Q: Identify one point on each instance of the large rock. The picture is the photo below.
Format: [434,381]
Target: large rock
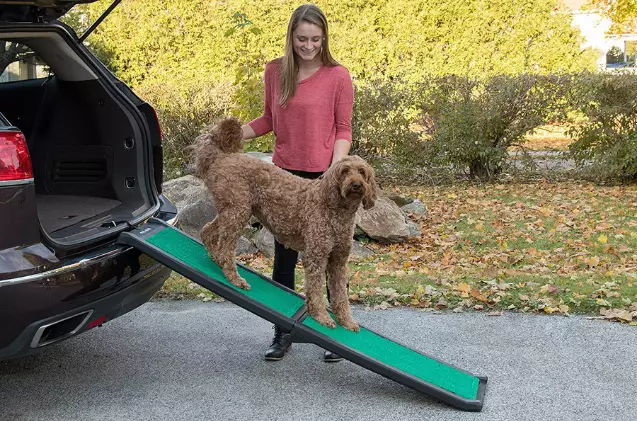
[385,222]
[398,199]
[245,246]
[414,229]
[192,200]
[359,251]
[264,240]
[416,208]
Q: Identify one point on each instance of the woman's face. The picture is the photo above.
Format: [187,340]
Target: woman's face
[307,40]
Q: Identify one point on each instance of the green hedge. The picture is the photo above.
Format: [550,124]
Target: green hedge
[606,138]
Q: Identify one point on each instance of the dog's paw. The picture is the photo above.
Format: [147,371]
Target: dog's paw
[241,283]
[326,321]
[351,325]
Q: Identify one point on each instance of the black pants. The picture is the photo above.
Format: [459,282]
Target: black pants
[285,258]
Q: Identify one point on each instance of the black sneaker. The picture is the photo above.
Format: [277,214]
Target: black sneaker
[280,345]
[331,357]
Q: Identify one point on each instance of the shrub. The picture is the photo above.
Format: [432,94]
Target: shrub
[382,122]
[473,122]
[184,112]
[607,138]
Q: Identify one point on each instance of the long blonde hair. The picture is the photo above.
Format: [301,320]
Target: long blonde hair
[309,13]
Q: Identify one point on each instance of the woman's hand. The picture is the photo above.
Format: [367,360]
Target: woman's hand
[341,149]
[247,132]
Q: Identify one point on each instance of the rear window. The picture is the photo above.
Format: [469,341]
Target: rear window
[19,62]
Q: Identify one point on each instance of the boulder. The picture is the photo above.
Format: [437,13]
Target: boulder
[264,240]
[192,200]
[385,222]
[398,199]
[415,208]
[414,229]
[359,251]
[245,246]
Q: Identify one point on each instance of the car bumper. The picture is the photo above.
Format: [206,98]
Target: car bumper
[49,330]
[43,308]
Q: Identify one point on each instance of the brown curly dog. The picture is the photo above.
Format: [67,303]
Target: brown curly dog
[315,217]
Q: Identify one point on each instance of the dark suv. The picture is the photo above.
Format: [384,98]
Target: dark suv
[80,162]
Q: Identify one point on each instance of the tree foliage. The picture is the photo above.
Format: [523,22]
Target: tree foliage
[199,44]
[10,52]
[622,14]
[154,39]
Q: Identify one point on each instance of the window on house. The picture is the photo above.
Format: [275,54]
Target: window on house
[630,47]
[614,55]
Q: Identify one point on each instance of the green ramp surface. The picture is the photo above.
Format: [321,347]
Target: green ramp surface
[284,307]
[403,359]
[195,255]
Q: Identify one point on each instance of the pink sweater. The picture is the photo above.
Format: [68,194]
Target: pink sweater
[305,129]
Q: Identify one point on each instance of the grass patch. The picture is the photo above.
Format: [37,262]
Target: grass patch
[541,247]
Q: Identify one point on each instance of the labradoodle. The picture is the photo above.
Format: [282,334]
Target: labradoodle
[315,217]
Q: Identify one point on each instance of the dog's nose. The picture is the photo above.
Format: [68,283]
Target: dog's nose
[356,186]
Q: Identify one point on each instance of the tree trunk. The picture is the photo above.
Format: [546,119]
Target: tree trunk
[9,51]
[483,170]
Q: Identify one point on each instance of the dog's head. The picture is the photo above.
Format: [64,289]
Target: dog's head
[352,179]
[226,134]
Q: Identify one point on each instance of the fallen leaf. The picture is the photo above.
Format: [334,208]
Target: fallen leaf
[464,289]
[592,261]
[441,304]
[602,302]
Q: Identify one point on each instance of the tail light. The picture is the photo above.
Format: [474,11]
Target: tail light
[15,163]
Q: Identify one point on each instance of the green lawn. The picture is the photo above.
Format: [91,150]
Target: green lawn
[552,248]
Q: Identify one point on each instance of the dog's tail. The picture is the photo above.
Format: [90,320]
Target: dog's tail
[222,138]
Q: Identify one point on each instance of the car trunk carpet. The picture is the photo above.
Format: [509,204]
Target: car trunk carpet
[57,211]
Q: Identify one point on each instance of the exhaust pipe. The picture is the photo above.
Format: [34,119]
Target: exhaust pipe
[60,329]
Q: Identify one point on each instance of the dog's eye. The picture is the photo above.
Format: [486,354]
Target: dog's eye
[361,171]
[344,170]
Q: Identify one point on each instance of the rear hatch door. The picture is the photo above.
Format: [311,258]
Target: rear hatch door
[35,10]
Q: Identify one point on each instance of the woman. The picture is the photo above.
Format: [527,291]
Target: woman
[308,106]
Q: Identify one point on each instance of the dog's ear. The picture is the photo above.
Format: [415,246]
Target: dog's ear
[330,184]
[371,192]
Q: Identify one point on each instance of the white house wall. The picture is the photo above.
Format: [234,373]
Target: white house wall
[593,28]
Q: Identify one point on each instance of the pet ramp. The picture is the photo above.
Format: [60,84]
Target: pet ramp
[286,308]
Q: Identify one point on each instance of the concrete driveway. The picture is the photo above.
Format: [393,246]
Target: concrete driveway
[203,361]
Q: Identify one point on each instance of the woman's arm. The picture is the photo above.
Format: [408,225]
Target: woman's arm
[341,149]
[261,125]
[343,120]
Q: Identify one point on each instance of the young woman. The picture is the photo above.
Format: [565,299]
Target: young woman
[308,106]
